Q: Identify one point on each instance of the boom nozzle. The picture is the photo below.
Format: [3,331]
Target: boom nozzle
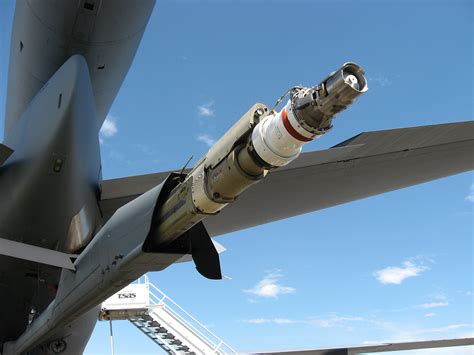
[314,108]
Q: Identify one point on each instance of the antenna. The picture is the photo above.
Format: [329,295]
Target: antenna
[185,166]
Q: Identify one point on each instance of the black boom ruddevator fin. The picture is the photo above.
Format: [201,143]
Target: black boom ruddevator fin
[204,253]
[197,242]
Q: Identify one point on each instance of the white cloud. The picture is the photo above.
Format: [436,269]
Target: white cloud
[431,314]
[380,79]
[396,275]
[470,195]
[283,321]
[337,321]
[118,157]
[206,110]
[434,305]
[269,286]
[144,149]
[437,300]
[444,329]
[109,128]
[257,321]
[394,333]
[206,139]
[279,321]
[405,333]
[331,321]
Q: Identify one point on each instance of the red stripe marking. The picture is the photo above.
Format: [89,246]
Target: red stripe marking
[290,128]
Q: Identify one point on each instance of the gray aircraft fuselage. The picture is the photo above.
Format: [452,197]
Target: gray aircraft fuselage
[67,62]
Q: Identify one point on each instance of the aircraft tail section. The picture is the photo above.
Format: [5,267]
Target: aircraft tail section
[56,158]
[47,32]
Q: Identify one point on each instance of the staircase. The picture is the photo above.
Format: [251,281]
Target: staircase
[162,320]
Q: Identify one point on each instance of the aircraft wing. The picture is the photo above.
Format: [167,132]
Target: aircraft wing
[377,348]
[365,165]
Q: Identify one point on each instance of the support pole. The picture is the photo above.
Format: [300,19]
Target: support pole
[111,337]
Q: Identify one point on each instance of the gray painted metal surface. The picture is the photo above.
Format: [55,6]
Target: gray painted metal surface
[106,32]
[5,153]
[47,181]
[36,254]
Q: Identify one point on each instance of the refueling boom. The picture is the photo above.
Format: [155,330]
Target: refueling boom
[262,140]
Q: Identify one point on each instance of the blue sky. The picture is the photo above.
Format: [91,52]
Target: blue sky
[394,267]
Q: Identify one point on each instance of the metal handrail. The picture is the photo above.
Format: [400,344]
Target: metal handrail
[161,301]
[210,342]
[189,325]
[191,328]
[221,344]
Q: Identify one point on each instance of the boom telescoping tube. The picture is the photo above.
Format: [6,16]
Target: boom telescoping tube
[262,140]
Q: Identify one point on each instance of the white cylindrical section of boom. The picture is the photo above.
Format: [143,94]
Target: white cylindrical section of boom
[279,138]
